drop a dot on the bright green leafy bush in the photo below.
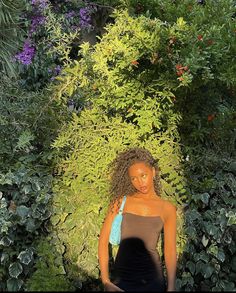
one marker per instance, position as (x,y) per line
(91,142)
(161,75)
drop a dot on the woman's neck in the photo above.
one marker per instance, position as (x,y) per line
(149,195)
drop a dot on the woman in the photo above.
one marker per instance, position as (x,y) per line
(145,214)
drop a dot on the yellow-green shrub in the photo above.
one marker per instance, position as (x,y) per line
(92,141)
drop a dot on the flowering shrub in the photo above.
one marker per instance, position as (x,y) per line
(156,75)
(55,30)
(85,17)
(27,54)
(162,76)
(39,61)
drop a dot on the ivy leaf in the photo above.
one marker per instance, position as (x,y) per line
(187,278)
(213,249)
(15,269)
(36,185)
(204,240)
(221,256)
(211,229)
(14,284)
(208,270)
(232,167)
(6,241)
(22,211)
(229,287)
(30,225)
(200,267)
(193,215)
(191,267)
(27,189)
(178,284)
(4,258)
(231,218)
(205,197)
(204,256)
(25,257)
(216,289)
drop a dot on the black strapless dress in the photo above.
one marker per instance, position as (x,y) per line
(137,264)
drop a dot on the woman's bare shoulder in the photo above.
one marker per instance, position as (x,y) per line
(168,204)
(115,204)
(169,209)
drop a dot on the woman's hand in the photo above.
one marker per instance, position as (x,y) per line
(109,286)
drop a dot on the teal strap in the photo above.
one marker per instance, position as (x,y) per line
(122,205)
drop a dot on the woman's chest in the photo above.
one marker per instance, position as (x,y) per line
(149,207)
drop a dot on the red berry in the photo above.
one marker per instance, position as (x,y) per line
(134,62)
(200,37)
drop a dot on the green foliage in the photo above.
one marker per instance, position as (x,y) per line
(115,72)
(28,122)
(49,272)
(81,188)
(60,39)
(210,223)
(25,202)
(10,34)
(145,52)
(25,179)
(151,74)
(53,41)
(162,76)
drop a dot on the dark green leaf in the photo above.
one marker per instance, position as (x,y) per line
(204,240)
(191,266)
(207,271)
(22,211)
(221,255)
(6,241)
(27,189)
(205,197)
(4,258)
(14,284)
(15,269)
(25,257)
(30,225)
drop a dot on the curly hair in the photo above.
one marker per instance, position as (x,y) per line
(120,181)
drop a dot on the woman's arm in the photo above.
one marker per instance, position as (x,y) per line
(103,253)
(170,244)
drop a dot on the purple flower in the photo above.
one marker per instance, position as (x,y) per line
(85,17)
(54,72)
(36,21)
(70,14)
(27,54)
(57,69)
(40,3)
(74,27)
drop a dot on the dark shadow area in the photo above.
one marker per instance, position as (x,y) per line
(135,268)
(208,143)
(91,283)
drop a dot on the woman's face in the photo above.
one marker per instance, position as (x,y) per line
(141,176)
